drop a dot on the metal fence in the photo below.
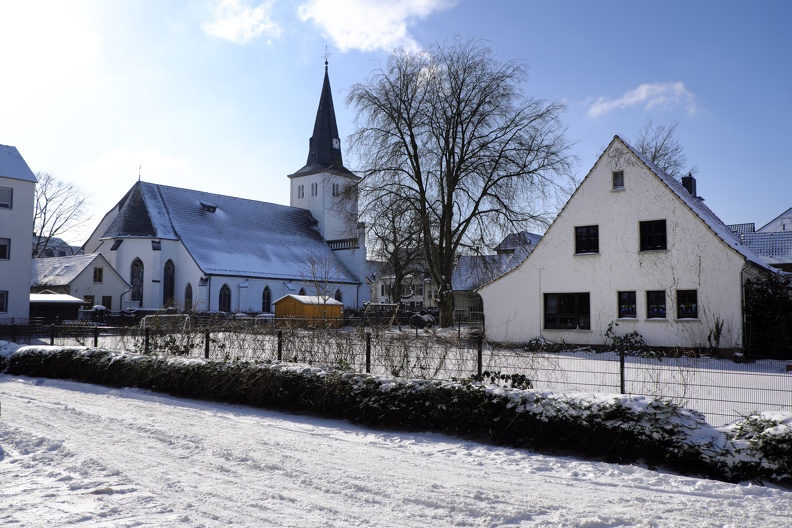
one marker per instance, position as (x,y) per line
(720,388)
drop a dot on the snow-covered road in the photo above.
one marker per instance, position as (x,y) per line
(81,455)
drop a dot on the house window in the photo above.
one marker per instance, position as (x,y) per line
(655,305)
(567,311)
(89,301)
(6,198)
(627,305)
(687,304)
(618,180)
(98,274)
(136,280)
(168,284)
(5,248)
(266,300)
(587,239)
(188,297)
(653,235)
(225,299)
(107,301)
(3,301)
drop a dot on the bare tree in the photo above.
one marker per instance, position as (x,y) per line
(59,207)
(660,146)
(448,134)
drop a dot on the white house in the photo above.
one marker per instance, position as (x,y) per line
(88,277)
(17,190)
(632,246)
(209,252)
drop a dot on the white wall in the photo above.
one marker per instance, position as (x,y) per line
(695,259)
(16,224)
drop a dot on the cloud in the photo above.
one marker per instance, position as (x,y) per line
(239,22)
(657,95)
(370,25)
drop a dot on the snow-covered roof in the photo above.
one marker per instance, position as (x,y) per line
(59,271)
(472,272)
(774,246)
(698,207)
(13,166)
(57,298)
(226,235)
(312,299)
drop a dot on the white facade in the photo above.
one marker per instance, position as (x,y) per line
(700,256)
(17,191)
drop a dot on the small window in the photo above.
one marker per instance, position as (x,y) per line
(627,305)
(687,304)
(5,248)
(6,198)
(3,301)
(338,297)
(98,274)
(107,301)
(156,245)
(225,299)
(653,235)
(314,189)
(655,305)
(567,311)
(587,239)
(336,189)
(300,191)
(618,180)
(89,301)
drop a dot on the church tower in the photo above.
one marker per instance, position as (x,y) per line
(328,189)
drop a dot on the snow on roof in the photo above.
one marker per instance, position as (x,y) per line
(702,211)
(59,271)
(775,247)
(13,166)
(312,299)
(58,298)
(472,271)
(235,236)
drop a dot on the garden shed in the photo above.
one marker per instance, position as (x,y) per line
(50,307)
(310,310)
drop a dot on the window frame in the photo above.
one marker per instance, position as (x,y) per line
(5,243)
(577,319)
(10,203)
(652,297)
(224,299)
(107,301)
(617,176)
(3,301)
(686,303)
(652,238)
(98,275)
(266,300)
(627,304)
(586,239)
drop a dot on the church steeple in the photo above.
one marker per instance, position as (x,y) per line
(325,145)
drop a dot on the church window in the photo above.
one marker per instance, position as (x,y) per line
(168,279)
(136,280)
(266,300)
(225,299)
(302,291)
(188,298)
(338,296)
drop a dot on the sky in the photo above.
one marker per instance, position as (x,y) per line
(221,95)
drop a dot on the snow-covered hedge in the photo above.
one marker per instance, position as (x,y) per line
(612,427)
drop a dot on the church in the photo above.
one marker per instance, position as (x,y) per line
(199,251)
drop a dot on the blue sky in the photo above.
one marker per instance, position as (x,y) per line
(220,95)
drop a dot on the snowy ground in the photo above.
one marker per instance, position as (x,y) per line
(81,455)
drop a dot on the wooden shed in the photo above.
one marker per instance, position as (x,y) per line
(309,310)
(52,307)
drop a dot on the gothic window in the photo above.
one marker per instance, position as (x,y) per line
(338,296)
(136,280)
(168,277)
(188,298)
(266,300)
(225,298)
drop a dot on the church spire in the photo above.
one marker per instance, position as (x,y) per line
(325,145)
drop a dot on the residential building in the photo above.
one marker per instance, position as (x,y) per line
(209,252)
(773,242)
(17,191)
(634,247)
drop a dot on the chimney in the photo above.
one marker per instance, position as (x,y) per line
(689,183)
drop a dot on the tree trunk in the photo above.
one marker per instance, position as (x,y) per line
(446,307)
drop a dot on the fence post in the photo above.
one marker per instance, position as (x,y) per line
(146,342)
(13,331)
(52,334)
(280,345)
(368,352)
(206,344)
(621,369)
(96,336)
(480,353)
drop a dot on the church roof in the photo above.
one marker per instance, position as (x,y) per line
(226,235)
(324,147)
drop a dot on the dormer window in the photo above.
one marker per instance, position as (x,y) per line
(208,208)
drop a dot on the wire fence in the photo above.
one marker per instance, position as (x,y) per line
(722,389)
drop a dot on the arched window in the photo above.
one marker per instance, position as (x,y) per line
(188,302)
(225,298)
(136,280)
(266,300)
(302,291)
(338,296)
(168,279)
